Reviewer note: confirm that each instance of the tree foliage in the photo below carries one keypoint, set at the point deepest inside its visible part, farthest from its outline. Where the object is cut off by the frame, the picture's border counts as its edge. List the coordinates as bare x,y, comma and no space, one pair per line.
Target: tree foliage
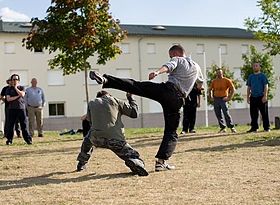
211,75
267,27
266,67
76,30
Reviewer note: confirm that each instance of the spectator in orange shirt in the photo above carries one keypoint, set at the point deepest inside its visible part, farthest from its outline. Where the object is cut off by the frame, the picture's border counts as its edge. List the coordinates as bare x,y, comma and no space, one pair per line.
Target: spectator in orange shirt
221,91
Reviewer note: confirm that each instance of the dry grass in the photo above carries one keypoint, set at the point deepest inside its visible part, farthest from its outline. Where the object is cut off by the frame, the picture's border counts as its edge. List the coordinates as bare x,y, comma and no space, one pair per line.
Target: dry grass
211,169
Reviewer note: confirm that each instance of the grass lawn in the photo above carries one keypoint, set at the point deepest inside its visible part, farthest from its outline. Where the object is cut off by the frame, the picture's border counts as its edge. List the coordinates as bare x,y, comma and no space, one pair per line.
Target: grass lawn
211,168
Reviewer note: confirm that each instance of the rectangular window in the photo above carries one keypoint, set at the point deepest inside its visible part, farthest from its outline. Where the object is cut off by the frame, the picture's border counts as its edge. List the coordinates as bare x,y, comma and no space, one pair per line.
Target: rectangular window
125,48
123,72
23,75
223,48
9,48
237,73
199,48
56,109
55,77
245,49
151,48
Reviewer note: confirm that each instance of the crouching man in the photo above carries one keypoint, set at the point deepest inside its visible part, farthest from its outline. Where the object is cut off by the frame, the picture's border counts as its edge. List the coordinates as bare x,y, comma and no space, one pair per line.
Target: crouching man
107,131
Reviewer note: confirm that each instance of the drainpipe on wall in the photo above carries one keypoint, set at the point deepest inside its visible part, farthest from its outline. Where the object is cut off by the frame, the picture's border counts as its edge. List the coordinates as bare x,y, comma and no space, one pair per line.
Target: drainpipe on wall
140,78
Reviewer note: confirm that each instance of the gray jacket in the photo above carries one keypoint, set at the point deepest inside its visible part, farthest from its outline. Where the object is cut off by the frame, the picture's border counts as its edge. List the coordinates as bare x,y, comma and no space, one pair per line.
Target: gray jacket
105,113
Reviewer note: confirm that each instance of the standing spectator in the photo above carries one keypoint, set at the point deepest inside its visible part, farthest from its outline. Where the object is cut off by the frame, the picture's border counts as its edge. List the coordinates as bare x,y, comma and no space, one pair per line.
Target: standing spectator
257,91
15,97
183,73
4,99
192,102
107,131
221,91
35,100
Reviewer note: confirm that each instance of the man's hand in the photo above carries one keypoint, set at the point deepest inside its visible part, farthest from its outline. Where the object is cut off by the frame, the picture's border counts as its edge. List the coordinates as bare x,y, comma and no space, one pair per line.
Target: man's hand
153,74
226,99
248,100
264,99
129,97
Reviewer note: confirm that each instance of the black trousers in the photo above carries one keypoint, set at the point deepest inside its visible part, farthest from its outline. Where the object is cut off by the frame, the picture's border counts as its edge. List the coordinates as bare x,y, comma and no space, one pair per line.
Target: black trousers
86,127
6,124
189,115
257,105
13,116
167,95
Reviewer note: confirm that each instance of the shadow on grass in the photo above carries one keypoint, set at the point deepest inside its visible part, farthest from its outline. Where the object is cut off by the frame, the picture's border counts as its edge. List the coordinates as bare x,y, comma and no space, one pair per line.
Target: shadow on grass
258,143
155,141
40,152
46,179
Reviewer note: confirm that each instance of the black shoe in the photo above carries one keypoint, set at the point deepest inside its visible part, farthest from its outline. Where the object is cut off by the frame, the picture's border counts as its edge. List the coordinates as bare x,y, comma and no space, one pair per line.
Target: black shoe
81,166
267,130
137,167
192,131
97,77
29,142
252,130
8,142
40,135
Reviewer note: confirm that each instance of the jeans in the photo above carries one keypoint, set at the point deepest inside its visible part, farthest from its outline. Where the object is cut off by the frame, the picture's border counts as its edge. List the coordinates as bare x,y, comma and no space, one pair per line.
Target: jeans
219,107
167,95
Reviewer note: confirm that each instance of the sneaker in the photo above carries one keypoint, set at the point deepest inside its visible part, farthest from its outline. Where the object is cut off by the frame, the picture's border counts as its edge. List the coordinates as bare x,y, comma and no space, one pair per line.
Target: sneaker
192,131
252,130
222,130
233,130
97,77
137,167
183,133
81,166
267,130
163,166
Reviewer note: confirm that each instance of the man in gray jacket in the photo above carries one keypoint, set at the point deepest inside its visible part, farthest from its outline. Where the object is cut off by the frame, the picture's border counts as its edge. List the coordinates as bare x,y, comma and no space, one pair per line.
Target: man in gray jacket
107,131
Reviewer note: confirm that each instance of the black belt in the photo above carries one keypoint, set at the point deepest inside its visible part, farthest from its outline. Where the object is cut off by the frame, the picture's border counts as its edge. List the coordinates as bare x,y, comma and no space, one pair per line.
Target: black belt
33,106
175,87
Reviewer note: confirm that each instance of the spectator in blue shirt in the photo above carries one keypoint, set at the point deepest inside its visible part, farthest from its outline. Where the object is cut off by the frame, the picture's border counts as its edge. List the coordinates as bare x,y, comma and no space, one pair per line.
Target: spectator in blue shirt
257,91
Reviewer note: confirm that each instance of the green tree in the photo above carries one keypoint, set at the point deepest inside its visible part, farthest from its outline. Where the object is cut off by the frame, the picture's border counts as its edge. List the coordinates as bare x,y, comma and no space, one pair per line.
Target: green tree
211,75
76,30
267,27
266,67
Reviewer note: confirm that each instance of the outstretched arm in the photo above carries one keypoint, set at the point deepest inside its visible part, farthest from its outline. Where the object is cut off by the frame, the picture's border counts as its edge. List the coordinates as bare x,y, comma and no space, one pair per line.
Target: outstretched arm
153,74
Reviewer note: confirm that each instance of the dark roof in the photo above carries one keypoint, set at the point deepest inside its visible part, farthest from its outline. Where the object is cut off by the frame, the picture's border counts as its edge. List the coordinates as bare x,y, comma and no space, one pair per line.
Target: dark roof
192,31
152,30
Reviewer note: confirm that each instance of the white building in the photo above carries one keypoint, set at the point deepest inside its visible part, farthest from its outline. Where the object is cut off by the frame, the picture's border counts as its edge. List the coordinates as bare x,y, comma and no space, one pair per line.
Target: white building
145,49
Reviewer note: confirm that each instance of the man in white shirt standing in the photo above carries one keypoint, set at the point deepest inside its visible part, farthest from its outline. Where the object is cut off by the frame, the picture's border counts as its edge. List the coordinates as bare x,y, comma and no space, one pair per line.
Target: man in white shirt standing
35,101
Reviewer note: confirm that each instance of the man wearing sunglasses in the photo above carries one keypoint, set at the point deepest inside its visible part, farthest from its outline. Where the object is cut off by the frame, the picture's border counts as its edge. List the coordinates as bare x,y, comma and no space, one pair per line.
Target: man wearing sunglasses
15,97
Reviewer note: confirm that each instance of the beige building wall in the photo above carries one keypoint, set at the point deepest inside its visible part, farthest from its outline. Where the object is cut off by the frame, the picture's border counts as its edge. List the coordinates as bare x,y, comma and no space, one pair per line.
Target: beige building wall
141,54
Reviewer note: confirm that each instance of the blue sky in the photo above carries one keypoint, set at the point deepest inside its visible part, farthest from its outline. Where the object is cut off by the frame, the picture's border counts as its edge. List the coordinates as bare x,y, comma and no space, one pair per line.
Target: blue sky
213,13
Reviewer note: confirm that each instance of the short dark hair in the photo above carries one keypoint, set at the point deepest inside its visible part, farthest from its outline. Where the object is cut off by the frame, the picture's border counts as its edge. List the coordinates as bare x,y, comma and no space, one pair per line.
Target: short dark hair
101,93
15,77
177,48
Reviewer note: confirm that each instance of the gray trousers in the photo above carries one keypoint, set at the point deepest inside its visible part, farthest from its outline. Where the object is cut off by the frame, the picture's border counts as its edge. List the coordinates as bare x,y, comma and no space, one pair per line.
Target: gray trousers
219,107
120,147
